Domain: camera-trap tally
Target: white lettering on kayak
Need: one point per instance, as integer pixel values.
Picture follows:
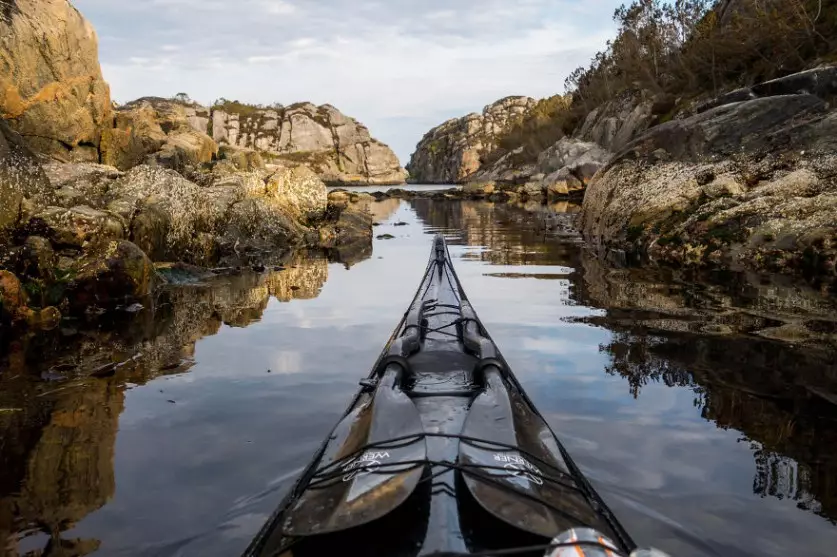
(520, 467)
(363, 464)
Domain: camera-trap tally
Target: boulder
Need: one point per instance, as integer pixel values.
(14, 305)
(562, 182)
(244, 160)
(746, 184)
(581, 158)
(533, 189)
(115, 273)
(76, 227)
(453, 151)
(616, 123)
(479, 189)
(36, 259)
(299, 190)
(81, 183)
(51, 90)
(184, 149)
(170, 212)
(22, 179)
(160, 132)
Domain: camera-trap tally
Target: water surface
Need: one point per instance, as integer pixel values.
(706, 434)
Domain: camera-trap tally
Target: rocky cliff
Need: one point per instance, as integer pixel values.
(51, 86)
(82, 235)
(454, 151)
(338, 148)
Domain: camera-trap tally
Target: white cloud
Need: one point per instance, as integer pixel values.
(400, 67)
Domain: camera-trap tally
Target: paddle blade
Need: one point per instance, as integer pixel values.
(357, 485)
(530, 487)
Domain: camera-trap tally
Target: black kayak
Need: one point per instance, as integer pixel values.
(441, 452)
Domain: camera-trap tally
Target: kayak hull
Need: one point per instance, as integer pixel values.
(441, 452)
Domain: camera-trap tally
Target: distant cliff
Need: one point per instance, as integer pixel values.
(338, 148)
(454, 150)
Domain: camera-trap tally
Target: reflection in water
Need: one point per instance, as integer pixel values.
(753, 355)
(58, 437)
(689, 333)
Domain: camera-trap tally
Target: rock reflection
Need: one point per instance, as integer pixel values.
(513, 234)
(779, 397)
(758, 352)
(58, 435)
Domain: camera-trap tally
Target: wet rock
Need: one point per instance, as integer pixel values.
(22, 179)
(478, 190)
(14, 305)
(384, 237)
(77, 226)
(51, 88)
(116, 273)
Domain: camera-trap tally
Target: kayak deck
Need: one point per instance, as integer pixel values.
(440, 453)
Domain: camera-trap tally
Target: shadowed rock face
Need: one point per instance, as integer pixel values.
(58, 102)
(338, 148)
(744, 184)
(452, 152)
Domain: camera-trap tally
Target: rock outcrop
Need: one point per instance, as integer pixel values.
(51, 86)
(745, 184)
(454, 151)
(338, 148)
(617, 122)
(159, 132)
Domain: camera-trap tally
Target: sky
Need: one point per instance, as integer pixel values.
(399, 66)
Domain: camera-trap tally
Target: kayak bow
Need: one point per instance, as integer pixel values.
(441, 452)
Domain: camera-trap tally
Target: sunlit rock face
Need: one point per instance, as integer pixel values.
(453, 151)
(338, 148)
(160, 132)
(51, 86)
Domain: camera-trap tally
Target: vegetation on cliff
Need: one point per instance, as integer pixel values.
(679, 53)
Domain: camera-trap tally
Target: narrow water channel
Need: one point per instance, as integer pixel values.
(703, 408)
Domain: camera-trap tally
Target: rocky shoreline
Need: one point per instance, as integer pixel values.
(742, 181)
(97, 199)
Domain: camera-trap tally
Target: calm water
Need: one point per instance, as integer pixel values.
(706, 435)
